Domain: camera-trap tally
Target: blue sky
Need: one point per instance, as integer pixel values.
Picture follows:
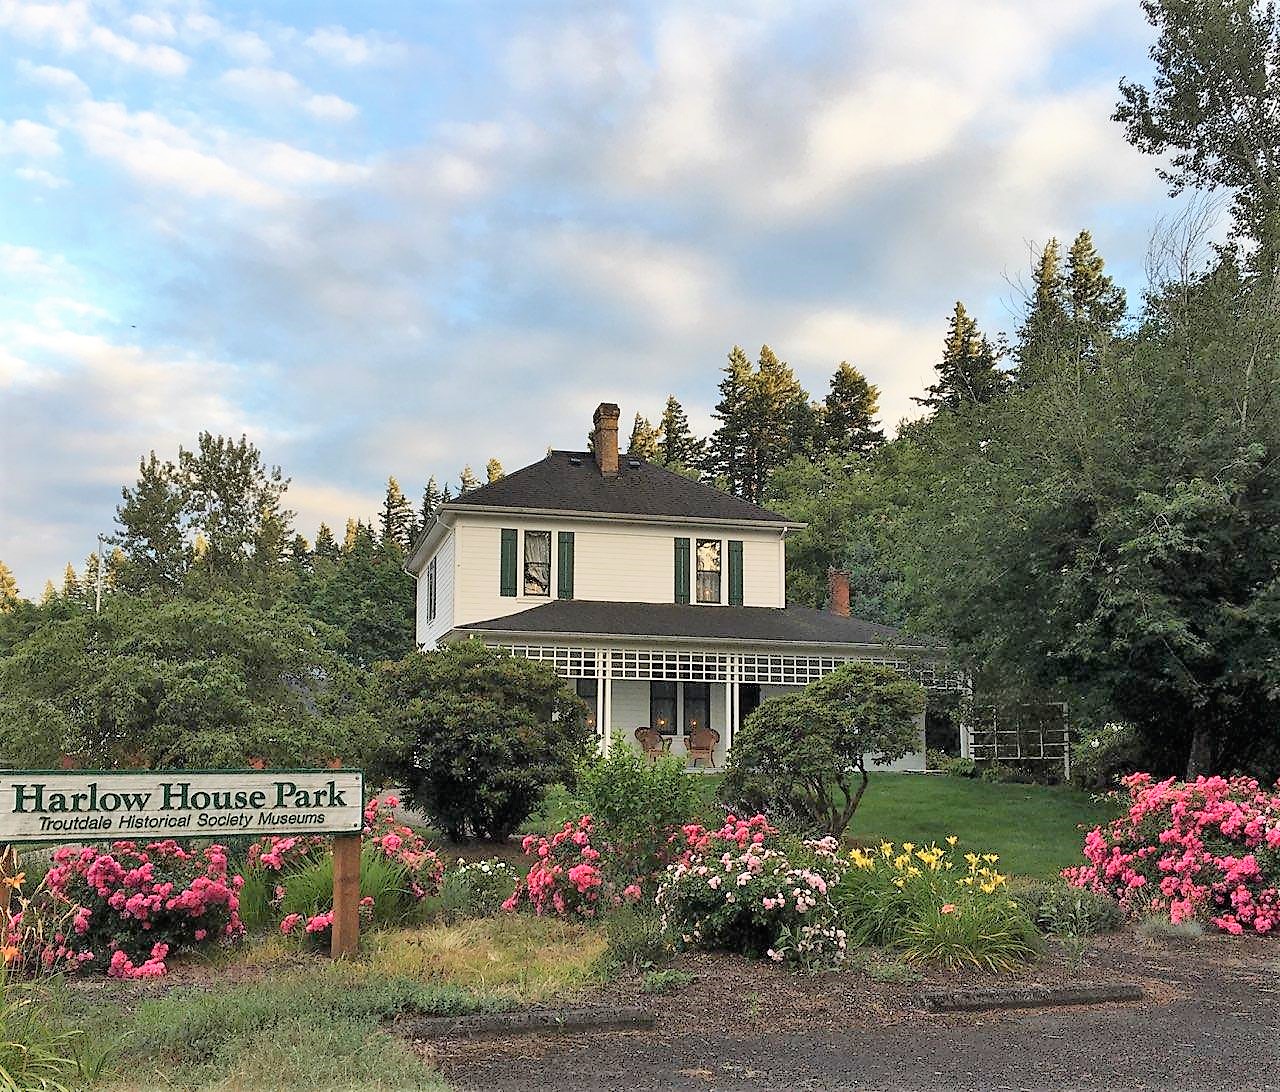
(397, 238)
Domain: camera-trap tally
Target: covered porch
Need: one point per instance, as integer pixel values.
(690, 701)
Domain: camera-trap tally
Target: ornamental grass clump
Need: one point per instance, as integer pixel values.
(126, 909)
(932, 908)
(1205, 850)
(743, 889)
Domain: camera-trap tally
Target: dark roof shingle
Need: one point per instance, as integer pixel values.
(570, 481)
(796, 625)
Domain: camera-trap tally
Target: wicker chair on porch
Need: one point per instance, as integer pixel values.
(700, 745)
(653, 745)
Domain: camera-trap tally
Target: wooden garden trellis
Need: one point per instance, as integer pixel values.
(1021, 733)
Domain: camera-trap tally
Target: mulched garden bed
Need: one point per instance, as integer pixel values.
(743, 1023)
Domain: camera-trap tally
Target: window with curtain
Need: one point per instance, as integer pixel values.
(708, 570)
(662, 706)
(697, 706)
(537, 563)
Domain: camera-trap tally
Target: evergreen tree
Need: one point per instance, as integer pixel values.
(493, 471)
(467, 480)
(431, 500)
(153, 521)
(728, 458)
(1095, 303)
(968, 373)
(396, 522)
(849, 425)
(90, 581)
(678, 448)
(8, 589)
(446, 494)
(779, 421)
(49, 594)
(1042, 336)
(326, 544)
(349, 539)
(644, 439)
(70, 582)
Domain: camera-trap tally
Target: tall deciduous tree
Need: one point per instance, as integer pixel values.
(1212, 109)
(849, 425)
(968, 373)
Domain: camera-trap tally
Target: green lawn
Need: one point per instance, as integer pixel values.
(1034, 828)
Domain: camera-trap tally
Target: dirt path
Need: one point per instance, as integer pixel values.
(1212, 1021)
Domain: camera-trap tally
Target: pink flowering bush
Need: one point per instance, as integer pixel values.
(125, 909)
(567, 878)
(742, 889)
(399, 844)
(1206, 849)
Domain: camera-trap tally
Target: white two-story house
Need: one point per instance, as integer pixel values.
(661, 598)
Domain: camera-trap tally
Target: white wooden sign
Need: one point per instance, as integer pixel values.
(89, 805)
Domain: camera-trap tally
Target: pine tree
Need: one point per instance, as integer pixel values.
(1042, 336)
(8, 589)
(849, 425)
(90, 581)
(1095, 303)
(779, 422)
(431, 500)
(678, 448)
(349, 539)
(446, 494)
(968, 372)
(727, 455)
(396, 521)
(49, 594)
(153, 522)
(326, 544)
(493, 471)
(644, 439)
(467, 480)
(70, 582)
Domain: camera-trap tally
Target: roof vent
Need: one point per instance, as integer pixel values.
(575, 460)
(634, 464)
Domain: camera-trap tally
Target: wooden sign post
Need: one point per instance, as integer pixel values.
(106, 805)
(345, 934)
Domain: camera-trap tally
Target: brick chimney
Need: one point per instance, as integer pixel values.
(605, 438)
(838, 592)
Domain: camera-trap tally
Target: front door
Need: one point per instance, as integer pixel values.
(748, 700)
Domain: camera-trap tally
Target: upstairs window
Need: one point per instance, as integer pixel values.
(431, 591)
(708, 570)
(537, 563)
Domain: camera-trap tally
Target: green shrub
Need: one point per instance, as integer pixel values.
(637, 805)
(484, 732)
(998, 773)
(474, 890)
(806, 753)
(1103, 755)
(1063, 910)
(665, 981)
(929, 907)
(958, 767)
(636, 937)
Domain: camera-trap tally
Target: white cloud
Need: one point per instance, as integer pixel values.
(26, 262)
(337, 44)
(212, 164)
(54, 78)
(153, 24)
(70, 27)
(28, 138)
(271, 87)
(41, 177)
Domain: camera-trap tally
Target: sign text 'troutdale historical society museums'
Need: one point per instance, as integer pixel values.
(109, 804)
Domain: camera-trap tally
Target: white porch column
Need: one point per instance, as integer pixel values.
(602, 739)
(734, 687)
(728, 711)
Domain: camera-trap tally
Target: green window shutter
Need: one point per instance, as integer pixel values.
(682, 570)
(508, 579)
(735, 573)
(564, 581)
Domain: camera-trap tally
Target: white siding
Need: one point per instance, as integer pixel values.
(613, 561)
(430, 632)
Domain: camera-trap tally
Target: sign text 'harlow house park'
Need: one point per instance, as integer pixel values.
(86, 805)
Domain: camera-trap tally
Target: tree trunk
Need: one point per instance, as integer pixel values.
(1200, 760)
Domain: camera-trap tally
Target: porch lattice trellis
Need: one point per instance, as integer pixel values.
(1022, 733)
